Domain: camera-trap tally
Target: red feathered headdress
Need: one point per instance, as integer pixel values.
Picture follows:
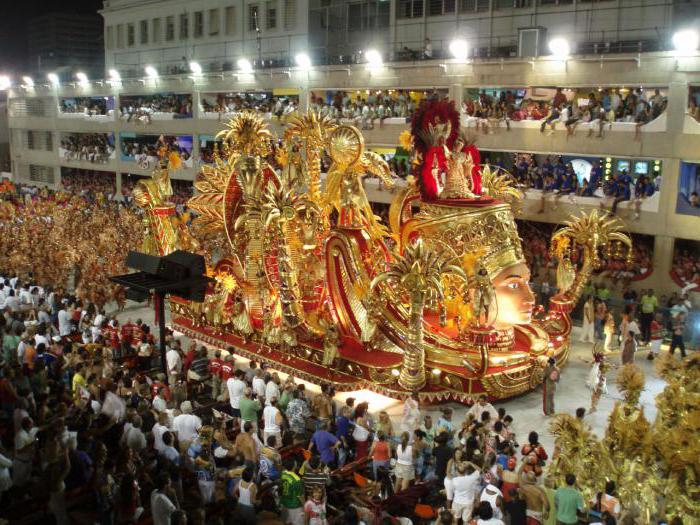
(433, 111)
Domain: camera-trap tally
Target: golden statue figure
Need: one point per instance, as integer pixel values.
(458, 179)
(331, 342)
(165, 232)
(483, 300)
(240, 320)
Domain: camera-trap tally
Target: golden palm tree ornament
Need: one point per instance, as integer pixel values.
(312, 130)
(419, 273)
(593, 234)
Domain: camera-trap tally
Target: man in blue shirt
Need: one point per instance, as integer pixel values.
(343, 433)
(623, 191)
(325, 443)
(593, 180)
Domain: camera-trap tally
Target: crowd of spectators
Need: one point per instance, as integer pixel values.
(557, 179)
(95, 428)
(686, 268)
(144, 149)
(593, 109)
(93, 147)
(144, 106)
(364, 109)
(279, 106)
(90, 185)
(92, 106)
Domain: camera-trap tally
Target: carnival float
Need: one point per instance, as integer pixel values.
(310, 281)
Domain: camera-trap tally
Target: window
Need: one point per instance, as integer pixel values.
(290, 14)
(230, 22)
(170, 28)
(355, 17)
(109, 37)
(443, 7)
(130, 35)
(184, 26)
(214, 22)
(144, 31)
(409, 9)
(198, 24)
(120, 36)
(471, 6)
(252, 17)
(157, 31)
(271, 15)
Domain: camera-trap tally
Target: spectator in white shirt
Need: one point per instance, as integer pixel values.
(64, 321)
(236, 387)
(186, 425)
(465, 486)
(259, 385)
(134, 438)
(174, 362)
(12, 302)
(272, 389)
(160, 428)
(481, 406)
(159, 403)
(162, 497)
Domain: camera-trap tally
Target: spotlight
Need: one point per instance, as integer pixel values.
(437, 372)
(114, 75)
(395, 372)
(303, 61)
(459, 49)
(82, 78)
(686, 41)
(5, 82)
(28, 81)
(53, 78)
(195, 68)
(559, 47)
(151, 72)
(374, 58)
(244, 65)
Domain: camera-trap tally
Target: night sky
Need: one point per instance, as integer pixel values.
(14, 15)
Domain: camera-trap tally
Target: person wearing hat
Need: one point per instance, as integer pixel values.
(535, 498)
(186, 426)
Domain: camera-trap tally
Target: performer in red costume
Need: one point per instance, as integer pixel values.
(435, 127)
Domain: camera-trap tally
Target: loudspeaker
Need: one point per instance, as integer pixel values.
(192, 262)
(143, 262)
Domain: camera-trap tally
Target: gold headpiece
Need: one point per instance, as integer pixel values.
(488, 230)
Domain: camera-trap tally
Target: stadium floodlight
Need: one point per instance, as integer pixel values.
(686, 41)
(82, 78)
(114, 75)
(5, 82)
(151, 72)
(28, 81)
(303, 61)
(374, 58)
(459, 49)
(244, 65)
(195, 68)
(559, 47)
(53, 79)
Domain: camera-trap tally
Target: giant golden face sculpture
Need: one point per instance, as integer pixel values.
(514, 298)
